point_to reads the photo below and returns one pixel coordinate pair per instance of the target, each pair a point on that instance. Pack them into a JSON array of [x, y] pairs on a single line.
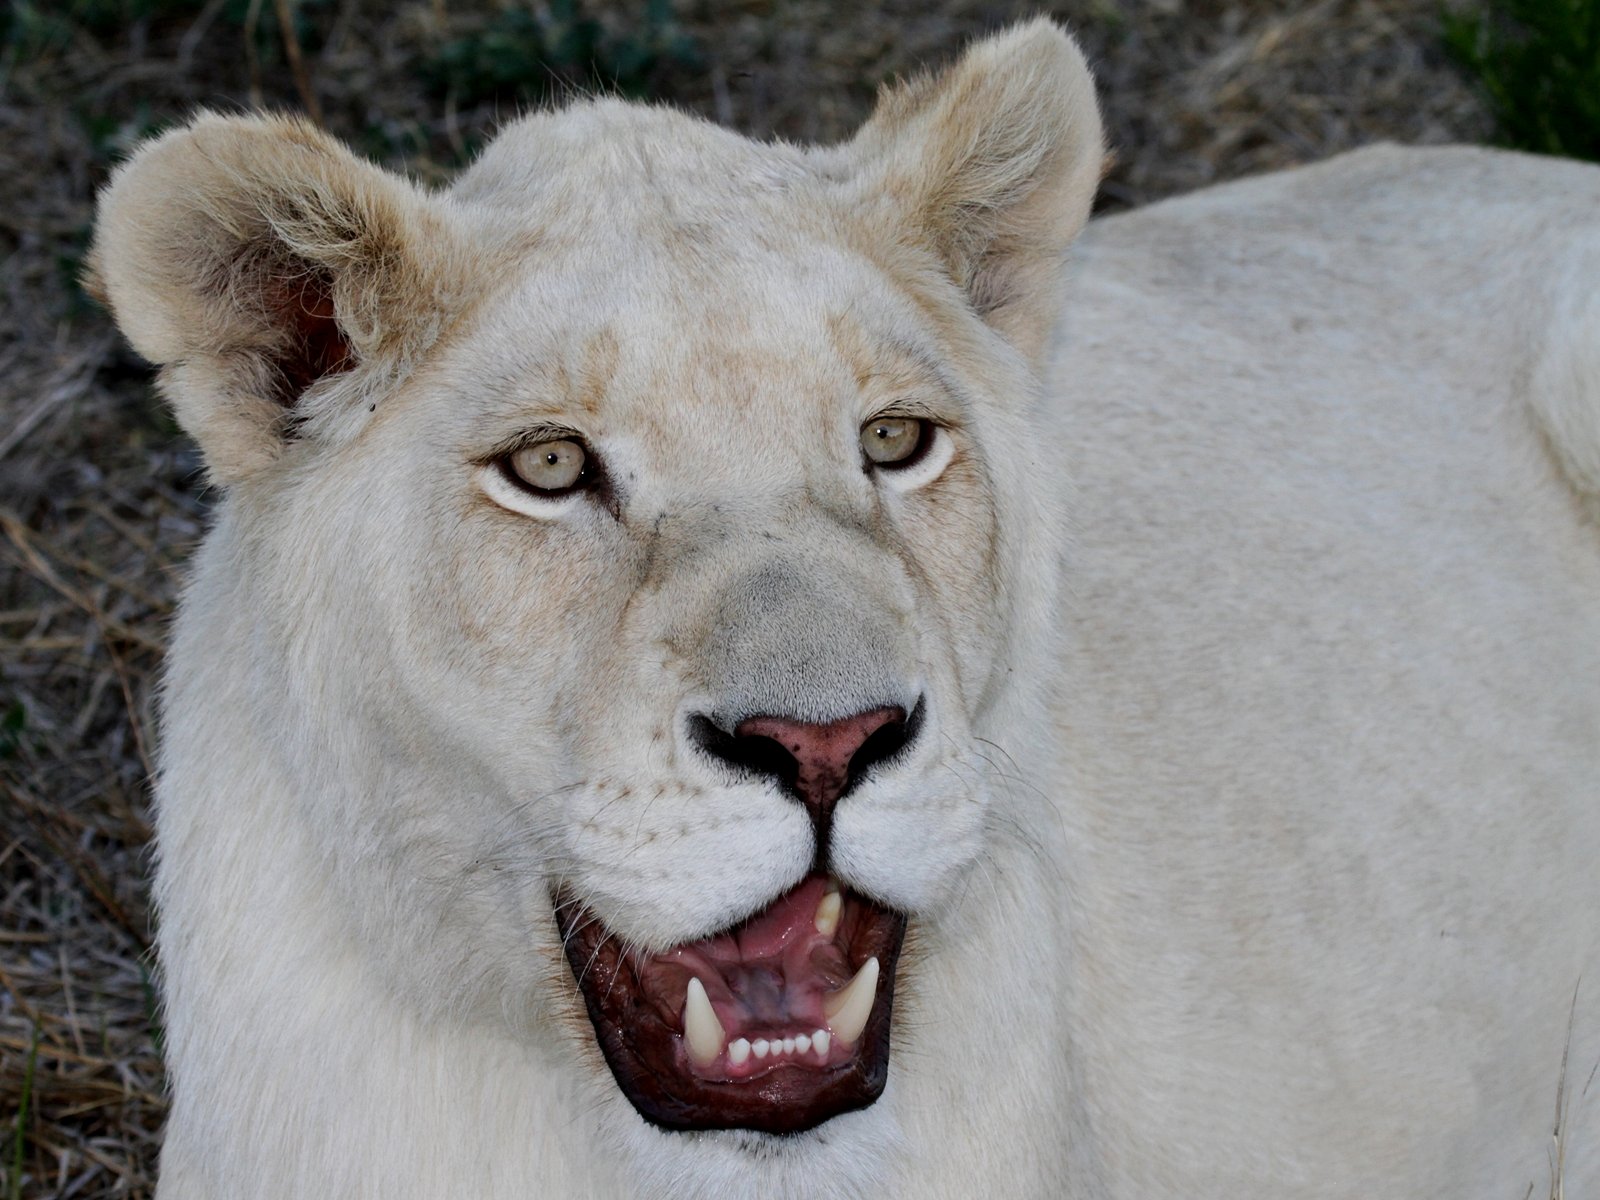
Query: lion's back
[[1333, 689]]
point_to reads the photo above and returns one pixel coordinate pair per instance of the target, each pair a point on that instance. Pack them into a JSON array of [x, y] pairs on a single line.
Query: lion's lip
[[768, 982]]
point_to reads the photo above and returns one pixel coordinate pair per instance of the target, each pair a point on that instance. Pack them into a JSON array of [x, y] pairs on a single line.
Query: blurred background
[[101, 500]]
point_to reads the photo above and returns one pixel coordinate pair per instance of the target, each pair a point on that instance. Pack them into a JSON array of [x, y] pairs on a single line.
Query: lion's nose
[[817, 763]]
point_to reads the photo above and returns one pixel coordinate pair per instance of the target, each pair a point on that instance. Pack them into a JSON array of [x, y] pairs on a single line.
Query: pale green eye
[[893, 441], [556, 466]]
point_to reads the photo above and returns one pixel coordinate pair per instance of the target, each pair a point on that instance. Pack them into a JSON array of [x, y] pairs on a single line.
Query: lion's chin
[[776, 1024]]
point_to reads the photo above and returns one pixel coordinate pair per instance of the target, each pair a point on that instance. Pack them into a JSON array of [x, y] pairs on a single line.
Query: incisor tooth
[[738, 1051], [819, 1042], [828, 913], [702, 1032], [849, 1007]]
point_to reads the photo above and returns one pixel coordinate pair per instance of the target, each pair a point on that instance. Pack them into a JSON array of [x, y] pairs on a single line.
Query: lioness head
[[626, 554]]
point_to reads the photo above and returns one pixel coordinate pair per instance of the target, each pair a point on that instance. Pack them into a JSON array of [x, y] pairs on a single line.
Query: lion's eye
[[550, 467], [895, 441]]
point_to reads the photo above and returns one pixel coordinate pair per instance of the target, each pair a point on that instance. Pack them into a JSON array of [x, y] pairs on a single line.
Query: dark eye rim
[[927, 434], [589, 478]]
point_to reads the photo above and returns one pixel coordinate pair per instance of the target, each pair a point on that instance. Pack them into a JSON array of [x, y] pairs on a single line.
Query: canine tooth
[[738, 1051], [702, 1032], [828, 911], [788, 1045], [760, 1046], [802, 1043], [849, 1007], [819, 1042]]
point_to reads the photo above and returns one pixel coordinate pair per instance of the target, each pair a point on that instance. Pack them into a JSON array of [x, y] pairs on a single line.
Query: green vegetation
[[35, 23], [522, 56], [152, 1002], [1538, 62], [19, 1136], [33, 27], [482, 59], [12, 722]]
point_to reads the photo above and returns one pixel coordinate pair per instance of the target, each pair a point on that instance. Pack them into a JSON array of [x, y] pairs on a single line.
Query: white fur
[[1251, 848]]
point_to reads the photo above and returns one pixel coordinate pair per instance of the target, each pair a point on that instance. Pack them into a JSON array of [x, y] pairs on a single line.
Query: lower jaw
[[787, 1100], [647, 1060]]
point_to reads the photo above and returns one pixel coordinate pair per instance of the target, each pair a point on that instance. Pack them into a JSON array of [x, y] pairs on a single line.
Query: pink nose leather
[[822, 753]]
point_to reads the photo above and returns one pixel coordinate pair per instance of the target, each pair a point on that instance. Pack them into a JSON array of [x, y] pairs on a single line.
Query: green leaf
[[1537, 63]]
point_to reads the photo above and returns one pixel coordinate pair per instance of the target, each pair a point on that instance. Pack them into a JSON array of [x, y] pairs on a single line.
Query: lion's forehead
[[759, 354]]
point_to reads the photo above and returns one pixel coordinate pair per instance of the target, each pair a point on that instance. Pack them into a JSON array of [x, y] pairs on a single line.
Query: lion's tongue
[[791, 920], [766, 981]]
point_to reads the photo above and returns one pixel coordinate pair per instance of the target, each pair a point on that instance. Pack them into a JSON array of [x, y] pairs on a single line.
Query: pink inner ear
[[316, 346]]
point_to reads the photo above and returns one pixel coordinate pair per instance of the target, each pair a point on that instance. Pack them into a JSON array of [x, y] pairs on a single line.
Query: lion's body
[[1252, 849], [1331, 703]]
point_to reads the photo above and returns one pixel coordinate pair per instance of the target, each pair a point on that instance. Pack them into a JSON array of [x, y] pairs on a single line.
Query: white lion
[[707, 680]]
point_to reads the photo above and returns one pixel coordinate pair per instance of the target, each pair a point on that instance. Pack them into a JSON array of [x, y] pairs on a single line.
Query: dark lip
[[640, 1047]]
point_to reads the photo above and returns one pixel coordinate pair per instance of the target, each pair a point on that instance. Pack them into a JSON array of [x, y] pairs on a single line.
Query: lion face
[[714, 700], [633, 547]]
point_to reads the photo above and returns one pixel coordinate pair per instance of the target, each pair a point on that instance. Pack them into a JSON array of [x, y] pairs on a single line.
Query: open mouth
[[776, 1024]]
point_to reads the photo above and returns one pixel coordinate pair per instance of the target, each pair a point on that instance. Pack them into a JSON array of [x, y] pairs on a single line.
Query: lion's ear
[[993, 163], [274, 276]]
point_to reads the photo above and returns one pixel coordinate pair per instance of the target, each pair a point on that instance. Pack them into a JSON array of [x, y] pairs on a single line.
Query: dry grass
[[99, 499]]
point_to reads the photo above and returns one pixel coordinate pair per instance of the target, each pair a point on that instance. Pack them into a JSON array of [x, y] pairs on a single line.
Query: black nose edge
[[886, 746], [757, 757], [751, 757]]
